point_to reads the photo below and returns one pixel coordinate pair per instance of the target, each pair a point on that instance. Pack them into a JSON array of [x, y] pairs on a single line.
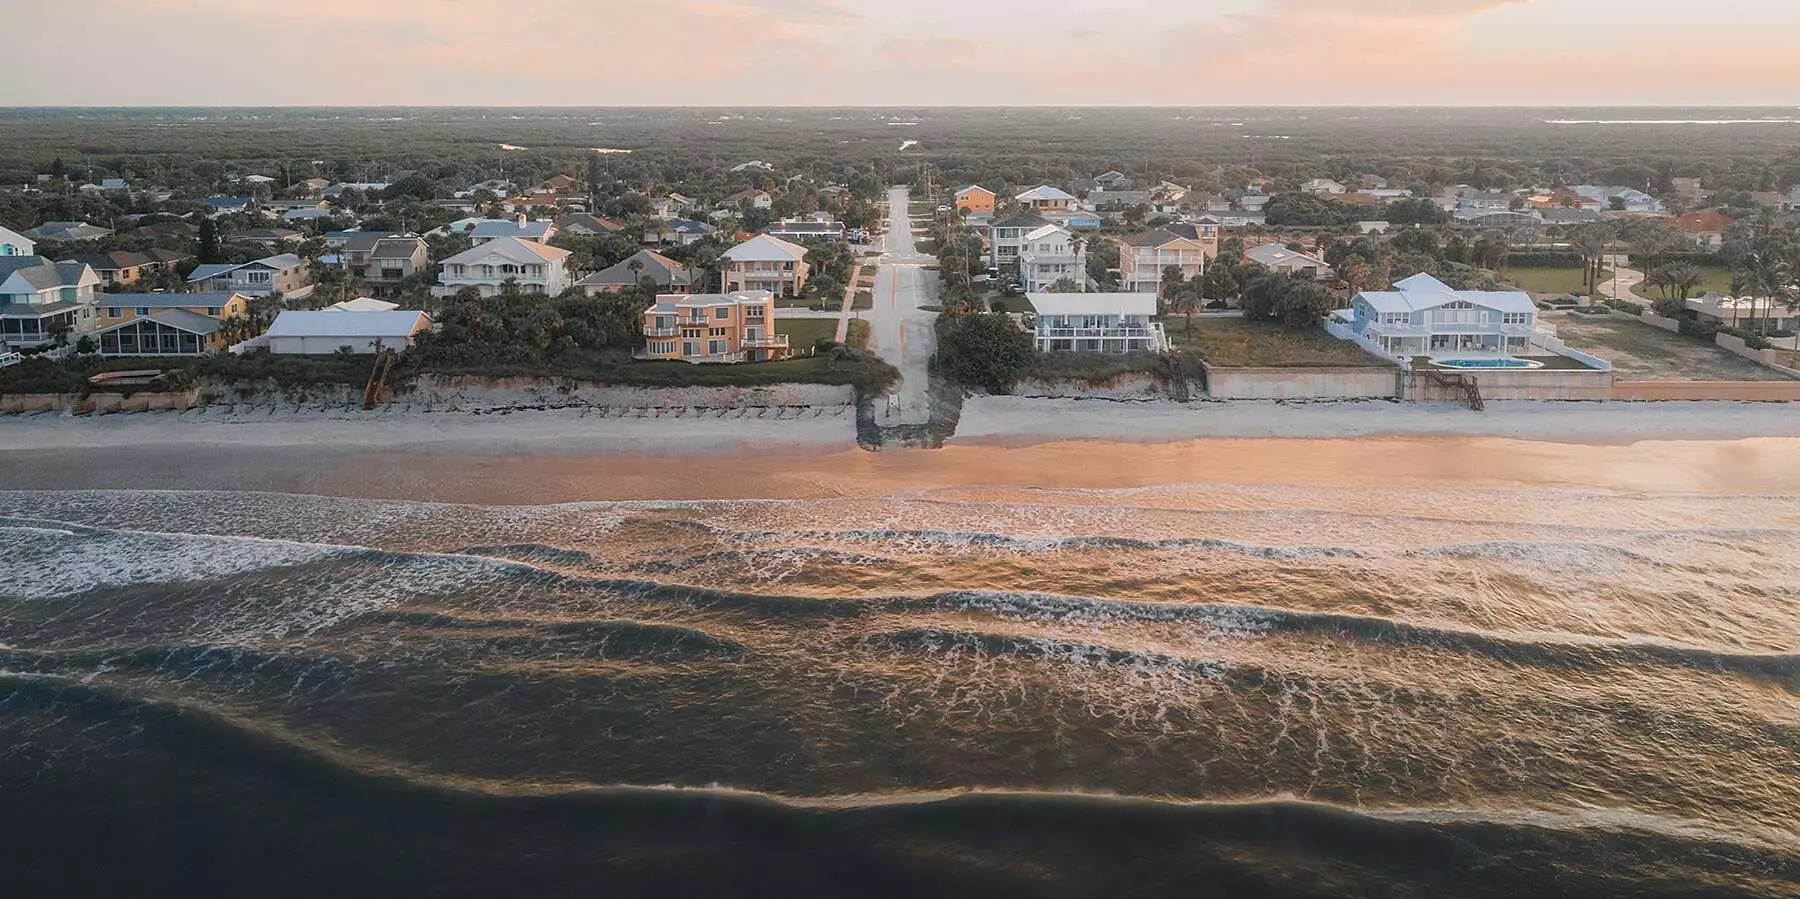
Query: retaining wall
[[1727, 391], [1667, 324], [1767, 358], [1301, 383], [1536, 384]]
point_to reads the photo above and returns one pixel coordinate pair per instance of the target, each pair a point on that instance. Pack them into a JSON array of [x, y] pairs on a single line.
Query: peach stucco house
[[732, 327]]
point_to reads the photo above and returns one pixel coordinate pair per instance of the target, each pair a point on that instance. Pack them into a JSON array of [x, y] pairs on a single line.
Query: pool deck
[[1548, 363]]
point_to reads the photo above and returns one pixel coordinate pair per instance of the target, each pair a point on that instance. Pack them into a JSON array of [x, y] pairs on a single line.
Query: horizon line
[[708, 106]]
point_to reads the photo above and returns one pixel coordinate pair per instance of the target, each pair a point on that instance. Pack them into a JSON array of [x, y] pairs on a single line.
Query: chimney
[[520, 218]]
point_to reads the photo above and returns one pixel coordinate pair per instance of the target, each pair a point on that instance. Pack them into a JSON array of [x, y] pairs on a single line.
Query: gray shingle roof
[[162, 300]]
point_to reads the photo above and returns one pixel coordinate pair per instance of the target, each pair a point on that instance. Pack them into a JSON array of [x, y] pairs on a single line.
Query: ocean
[[1179, 690]]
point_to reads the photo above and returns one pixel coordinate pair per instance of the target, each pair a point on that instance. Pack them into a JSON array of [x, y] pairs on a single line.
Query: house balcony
[[764, 274], [1118, 333], [1460, 329], [765, 343], [715, 358], [662, 332]]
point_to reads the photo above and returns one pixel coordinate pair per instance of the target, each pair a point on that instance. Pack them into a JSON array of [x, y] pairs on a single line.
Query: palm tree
[[1590, 243], [1682, 279], [1766, 271]]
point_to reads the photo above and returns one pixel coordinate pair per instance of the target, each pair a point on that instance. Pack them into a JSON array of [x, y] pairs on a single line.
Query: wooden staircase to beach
[[1460, 383], [384, 365]]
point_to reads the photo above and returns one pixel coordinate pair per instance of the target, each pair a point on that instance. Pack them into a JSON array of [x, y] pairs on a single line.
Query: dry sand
[[549, 457]]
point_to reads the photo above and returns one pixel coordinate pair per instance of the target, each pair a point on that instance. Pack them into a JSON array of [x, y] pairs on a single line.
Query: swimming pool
[[1487, 363]]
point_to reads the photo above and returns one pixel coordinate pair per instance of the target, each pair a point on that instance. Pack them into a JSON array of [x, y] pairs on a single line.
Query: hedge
[[1544, 259], [1751, 339]]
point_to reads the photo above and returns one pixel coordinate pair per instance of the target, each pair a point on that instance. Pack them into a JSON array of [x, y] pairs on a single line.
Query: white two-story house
[[1097, 323], [1422, 316], [534, 267], [1006, 236], [765, 263], [1051, 254]]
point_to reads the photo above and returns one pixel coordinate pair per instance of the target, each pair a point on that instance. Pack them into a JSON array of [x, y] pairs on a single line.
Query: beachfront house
[[732, 327], [1422, 316], [164, 324], [323, 332], [41, 300], [1097, 323]]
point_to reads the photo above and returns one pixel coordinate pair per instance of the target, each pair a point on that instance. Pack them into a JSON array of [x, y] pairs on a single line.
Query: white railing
[[662, 332]]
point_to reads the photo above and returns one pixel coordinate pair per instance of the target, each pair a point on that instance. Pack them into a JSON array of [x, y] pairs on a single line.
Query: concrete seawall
[[1301, 383]]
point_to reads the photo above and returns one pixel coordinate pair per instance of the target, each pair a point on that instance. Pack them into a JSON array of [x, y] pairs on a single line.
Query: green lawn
[[1718, 278], [803, 332], [1551, 280], [1239, 343]]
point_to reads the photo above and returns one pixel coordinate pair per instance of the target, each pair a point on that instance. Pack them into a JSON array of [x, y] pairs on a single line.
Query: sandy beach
[[565, 456]]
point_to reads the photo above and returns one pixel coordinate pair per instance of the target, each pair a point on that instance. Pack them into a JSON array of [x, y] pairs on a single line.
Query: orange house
[[975, 200], [732, 327]]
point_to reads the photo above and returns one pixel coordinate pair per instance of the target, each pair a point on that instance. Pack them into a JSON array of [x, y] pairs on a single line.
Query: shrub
[[1093, 368], [1626, 306], [985, 351], [1697, 328], [1544, 259], [1669, 307]]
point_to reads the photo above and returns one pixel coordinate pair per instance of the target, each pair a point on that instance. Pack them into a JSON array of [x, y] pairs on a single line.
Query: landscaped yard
[[1551, 280], [803, 332], [1231, 342], [1718, 278], [1644, 352]]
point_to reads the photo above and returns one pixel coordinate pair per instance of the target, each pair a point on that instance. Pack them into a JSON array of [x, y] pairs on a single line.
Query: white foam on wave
[[44, 563]]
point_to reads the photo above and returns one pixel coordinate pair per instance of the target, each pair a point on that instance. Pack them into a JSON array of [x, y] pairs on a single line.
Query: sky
[[899, 53]]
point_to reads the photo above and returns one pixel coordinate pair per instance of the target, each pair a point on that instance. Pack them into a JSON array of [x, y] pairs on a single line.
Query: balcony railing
[[778, 340], [662, 332], [1101, 333]]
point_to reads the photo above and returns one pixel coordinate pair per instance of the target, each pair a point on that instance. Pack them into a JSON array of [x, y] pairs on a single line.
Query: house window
[[715, 347], [115, 312], [143, 310], [753, 312], [1516, 318], [723, 312], [212, 310], [716, 332]]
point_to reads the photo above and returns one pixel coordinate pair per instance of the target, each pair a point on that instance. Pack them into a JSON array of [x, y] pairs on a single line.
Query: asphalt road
[[900, 331]]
